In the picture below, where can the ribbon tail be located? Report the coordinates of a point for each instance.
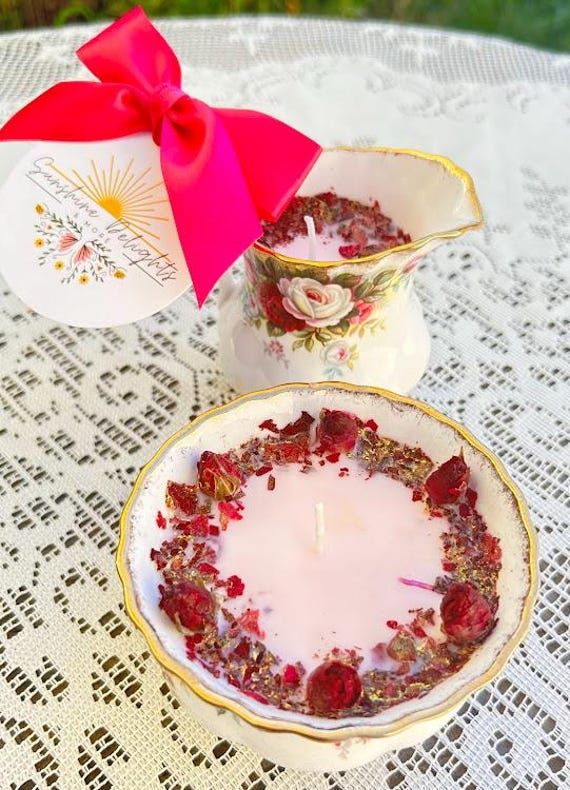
(215, 216)
(79, 111)
(274, 158)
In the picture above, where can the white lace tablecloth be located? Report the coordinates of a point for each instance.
(82, 703)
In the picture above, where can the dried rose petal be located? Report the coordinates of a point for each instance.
(182, 497)
(465, 613)
(337, 431)
(492, 551)
(197, 527)
(218, 476)
(302, 425)
(333, 686)
(285, 452)
(230, 510)
(249, 621)
(187, 605)
(448, 482)
(160, 521)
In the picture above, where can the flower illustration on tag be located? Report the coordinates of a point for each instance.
(77, 255)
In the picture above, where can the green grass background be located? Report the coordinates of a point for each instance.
(544, 23)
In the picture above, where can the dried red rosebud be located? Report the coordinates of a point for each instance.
(234, 586)
(182, 497)
(218, 476)
(333, 686)
(337, 431)
(402, 647)
(448, 482)
(291, 676)
(465, 613)
(187, 605)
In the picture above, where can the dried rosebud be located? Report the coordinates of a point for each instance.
(333, 686)
(218, 476)
(402, 647)
(187, 605)
(234, 586)
(291, 675)
(337, 431)
(182, 497)
(448, 482)
(465, 613)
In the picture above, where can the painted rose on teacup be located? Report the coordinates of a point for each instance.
(315, 303)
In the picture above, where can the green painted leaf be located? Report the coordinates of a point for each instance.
(309, 343)
(347, 280)
(274, 331)
(384, 277)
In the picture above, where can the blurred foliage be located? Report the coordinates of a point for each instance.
(543, 23)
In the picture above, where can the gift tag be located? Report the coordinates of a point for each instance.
(87, 235)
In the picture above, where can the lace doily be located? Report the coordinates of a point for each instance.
(82, 703)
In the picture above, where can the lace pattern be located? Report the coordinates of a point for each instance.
(83, 704)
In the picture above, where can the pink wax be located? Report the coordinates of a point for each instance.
(311, 602)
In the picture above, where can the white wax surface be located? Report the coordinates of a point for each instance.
(309, 602)
(326, 246)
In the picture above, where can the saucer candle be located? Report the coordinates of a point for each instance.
(337, 567)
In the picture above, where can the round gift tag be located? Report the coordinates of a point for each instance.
(87, 235)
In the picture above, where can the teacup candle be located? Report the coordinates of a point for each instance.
(328, 290)
(338, 567)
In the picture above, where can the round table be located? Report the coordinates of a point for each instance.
(82, 703)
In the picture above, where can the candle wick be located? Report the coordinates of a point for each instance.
(310, 223)
(320, 527)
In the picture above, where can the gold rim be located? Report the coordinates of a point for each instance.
(184, 674)
(411, 246)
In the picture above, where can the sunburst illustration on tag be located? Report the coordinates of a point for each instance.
(128, 197)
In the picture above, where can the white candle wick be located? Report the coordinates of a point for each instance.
(310, 223)
(320, 527)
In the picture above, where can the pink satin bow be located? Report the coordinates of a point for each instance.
(224, 169)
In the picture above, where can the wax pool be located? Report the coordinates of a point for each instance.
(312, 602)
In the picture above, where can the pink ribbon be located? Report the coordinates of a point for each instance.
(225, 170)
